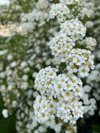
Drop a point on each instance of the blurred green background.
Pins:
(6, 125)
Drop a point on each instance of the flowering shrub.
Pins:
(43, 65)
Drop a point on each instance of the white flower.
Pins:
(74, 29)
(83, 71)
(13, 64)
(23, 64)
(43, 109)
(42, 4)
(85, 12)
(69, 2)
(89, 24)
(43, 79)
(81, 61)
(66, 85)
(10, 57)
(87, 88)
(59, 11)
(3, 52)
(26, 28)
(61, 46)
(90, 43)
(25, 77)
(60, 96)
(5, 113)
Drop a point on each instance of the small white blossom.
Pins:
(5, 113)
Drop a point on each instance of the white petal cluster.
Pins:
(60, 95)
(30, 20)
(35, 15)
(74, 29)
(66, 86)
(89, 103)
(89, 24)
(26, 28)
(26, 117)
(80, 61)
(70, 113)
(87, 10)
(61, 46)
(94, 81)
(42, 4)
(90, 43)
(44, 109)
(59, 11)
(69, 2)
(44, 78)
(5, 113)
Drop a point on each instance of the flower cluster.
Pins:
(42, 4)
(74, 29)
(44, 109)
(88, 101)
(80, 61)
(87, 10)
(93, 80)
(61, 46)
(59, 11)
(69, 2)
(44, 78)
(59, 95)
(89, 42)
